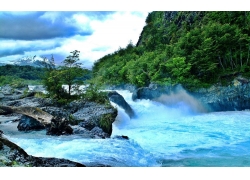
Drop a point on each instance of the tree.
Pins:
(69, 74)
(71, 71)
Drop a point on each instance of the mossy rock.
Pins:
(106, 122)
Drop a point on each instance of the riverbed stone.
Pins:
(27, 123)
(120, 101)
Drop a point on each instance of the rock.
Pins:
(59, 127)
(96, 115)
(226, 98)
(1, 95)
(121, 137)
(216, 98)
(7, 90)
(56, 111)
(34, 112)
(89, 114)
(152, 92)
(120, 101)
(96, 131)
(27, 123)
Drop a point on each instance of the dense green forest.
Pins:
(20, 75)
(24, 72)
(196, 49)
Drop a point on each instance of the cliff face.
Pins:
(166, 19)
(234, 97)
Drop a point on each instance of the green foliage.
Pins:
(72, 120)
(22, 72)
(40, 95)
(93, 93)
(17, 82)
(106, 123)
(192, 48)
(70, 74)
(71, 71)
(178, 69)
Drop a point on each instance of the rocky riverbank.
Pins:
(235, 96)
(85, 118)
(12, 155)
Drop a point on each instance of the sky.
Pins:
(43, 33)
(95, 28)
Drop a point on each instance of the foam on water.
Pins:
(176, 132)
(161, 135)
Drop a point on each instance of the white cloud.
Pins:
(109, 34)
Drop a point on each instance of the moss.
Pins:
(106, 122)
(72, 120)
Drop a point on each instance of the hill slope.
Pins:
(196, 49)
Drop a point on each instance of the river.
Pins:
(159, 136)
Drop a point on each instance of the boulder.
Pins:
(1, 95)
(120, 101)
(59, 127)
(92, 115)
(34, 112)
(153, 91)
(235, 97)
(27, 123)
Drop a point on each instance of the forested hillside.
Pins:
(20, 75)
(196, 49)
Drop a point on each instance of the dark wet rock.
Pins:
(120, 101)
(27, 123)
(89, 114)
(7, 90)
(13, 155)
(28, 101)
(56, 111)
(153, 91)
(121, 137)
(59, 127)
(1, 95)
(96, 115)
(235, 97)
(96, 131)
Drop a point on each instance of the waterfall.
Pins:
(161, 134)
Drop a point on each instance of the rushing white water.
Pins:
(160, 135)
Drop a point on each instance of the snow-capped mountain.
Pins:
(31, 61)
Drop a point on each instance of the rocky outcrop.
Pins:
(92, 115)
(59, 119)
(13, 155)
(33, 112)
(59, 126)
(120, 101)
(154, 91)
(235, 96)
(27, 123)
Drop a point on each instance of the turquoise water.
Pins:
(169, 135)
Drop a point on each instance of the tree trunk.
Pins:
(221, 63)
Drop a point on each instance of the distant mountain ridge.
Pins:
(30, 61)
